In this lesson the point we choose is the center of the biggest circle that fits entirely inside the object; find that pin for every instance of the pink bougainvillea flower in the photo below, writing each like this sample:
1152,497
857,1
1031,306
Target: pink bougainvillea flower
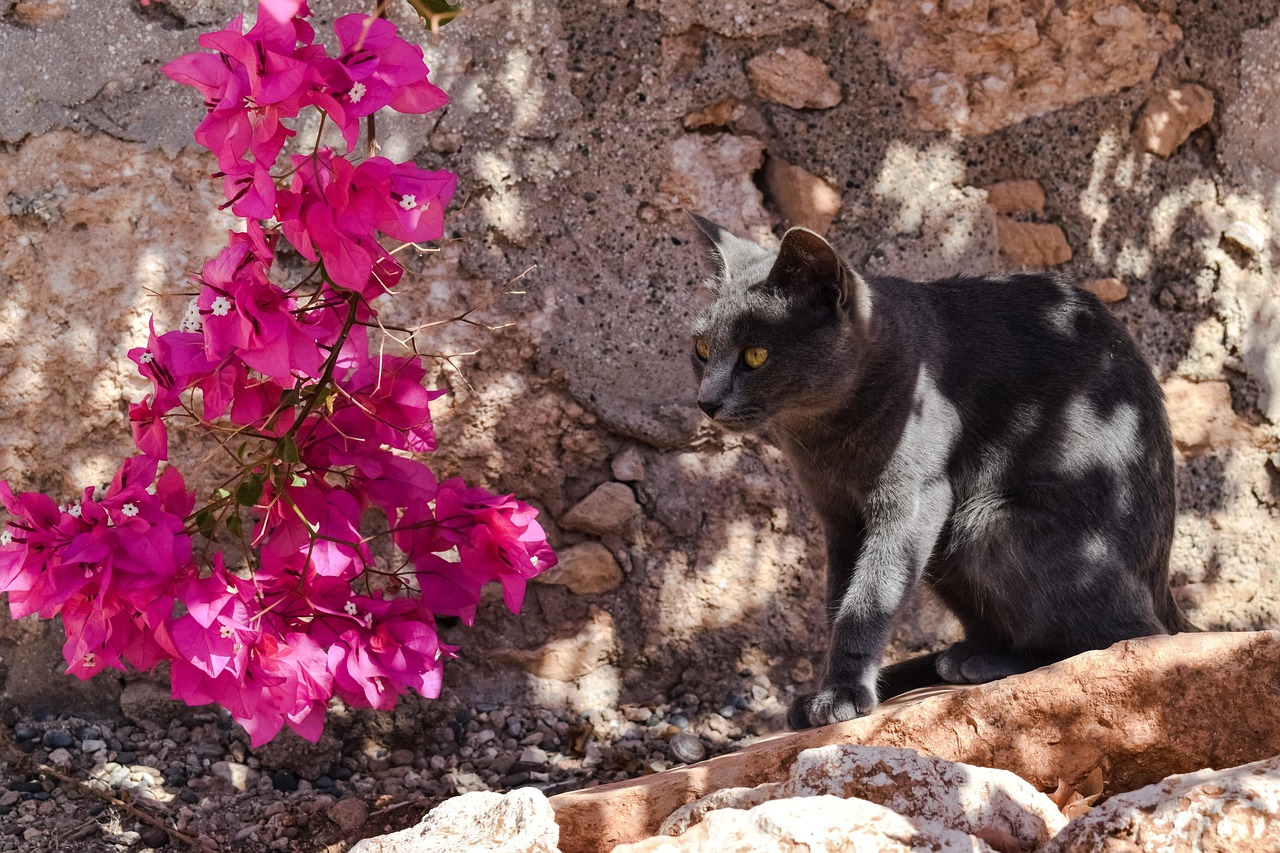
385,401
173,362
150,435
284,10
256,321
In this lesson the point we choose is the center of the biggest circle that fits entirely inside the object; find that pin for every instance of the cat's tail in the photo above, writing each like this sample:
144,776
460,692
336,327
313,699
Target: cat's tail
910,674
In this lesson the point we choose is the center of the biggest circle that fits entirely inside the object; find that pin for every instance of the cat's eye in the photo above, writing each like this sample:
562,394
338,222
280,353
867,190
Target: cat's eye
754,356
702,348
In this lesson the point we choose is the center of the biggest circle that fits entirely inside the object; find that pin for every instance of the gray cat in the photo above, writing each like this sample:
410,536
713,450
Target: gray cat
1000,439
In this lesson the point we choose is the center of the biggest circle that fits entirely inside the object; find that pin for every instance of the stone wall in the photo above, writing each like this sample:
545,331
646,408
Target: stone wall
1141,139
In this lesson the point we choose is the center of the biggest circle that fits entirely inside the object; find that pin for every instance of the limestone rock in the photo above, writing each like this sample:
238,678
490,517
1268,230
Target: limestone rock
588,568
1106,289
1210,811
1135,710
744,18
802,197
793,78
731,113
605,510
823,824
968,799
1017,196
572,655
480,822
713,176
1167,119
1032,244
1201,416
977,67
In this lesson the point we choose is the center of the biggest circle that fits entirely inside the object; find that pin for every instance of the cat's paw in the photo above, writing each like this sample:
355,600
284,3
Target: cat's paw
834,704
965,663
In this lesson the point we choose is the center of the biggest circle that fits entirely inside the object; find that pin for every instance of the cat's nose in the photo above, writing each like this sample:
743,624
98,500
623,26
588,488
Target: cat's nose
710,407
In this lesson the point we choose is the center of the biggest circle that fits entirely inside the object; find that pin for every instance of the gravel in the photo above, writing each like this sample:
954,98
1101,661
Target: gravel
196,774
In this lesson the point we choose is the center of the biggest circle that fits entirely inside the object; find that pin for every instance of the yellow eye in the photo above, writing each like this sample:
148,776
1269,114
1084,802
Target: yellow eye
754,356
704,351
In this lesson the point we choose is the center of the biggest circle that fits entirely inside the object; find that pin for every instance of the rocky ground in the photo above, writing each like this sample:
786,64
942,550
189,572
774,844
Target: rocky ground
75,784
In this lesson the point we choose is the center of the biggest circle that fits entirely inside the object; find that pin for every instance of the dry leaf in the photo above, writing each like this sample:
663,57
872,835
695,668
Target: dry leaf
1073,803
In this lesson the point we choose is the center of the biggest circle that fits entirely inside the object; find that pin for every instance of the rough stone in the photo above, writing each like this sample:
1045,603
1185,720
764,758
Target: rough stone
1106,289
1032,244
628,465
976,68
1201,416
570,656
242,777
587,568
731,113
802,197
1136,710
480,821
349,813
822,824
712,176
1210,811
971,800
793,78
1168,118
1017,196
606,510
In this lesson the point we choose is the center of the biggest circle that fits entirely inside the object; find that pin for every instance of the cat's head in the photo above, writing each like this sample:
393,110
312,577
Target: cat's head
785,334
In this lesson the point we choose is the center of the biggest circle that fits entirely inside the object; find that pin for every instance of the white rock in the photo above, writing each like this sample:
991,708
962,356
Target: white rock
824,824
1247,236
1210,810
479,822
965,798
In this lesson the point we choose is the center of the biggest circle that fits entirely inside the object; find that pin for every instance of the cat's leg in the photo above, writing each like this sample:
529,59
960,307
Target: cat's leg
887,560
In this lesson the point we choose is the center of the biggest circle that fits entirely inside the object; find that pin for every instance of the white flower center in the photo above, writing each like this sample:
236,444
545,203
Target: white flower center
350,607
221,306
5,538
368,620
191,321
227,632
146,358
534,561
88,659
74,510
357,92
130,510
409,202
231,588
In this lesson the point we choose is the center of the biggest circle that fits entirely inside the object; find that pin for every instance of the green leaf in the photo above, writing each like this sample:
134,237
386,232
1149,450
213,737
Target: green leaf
235,524
436,13
206,523
248,492
287,449
223,494
298,482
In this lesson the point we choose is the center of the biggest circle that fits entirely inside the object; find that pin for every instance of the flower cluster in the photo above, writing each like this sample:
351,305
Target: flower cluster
325,429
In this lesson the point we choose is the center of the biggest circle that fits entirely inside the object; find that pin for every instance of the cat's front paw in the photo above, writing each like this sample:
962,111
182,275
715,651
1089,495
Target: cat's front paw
834,704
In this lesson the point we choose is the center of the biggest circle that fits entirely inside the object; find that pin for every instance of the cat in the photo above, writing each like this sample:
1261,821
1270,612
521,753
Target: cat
998,438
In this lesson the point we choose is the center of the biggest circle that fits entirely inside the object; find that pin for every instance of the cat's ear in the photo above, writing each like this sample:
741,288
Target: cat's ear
808,265
730,253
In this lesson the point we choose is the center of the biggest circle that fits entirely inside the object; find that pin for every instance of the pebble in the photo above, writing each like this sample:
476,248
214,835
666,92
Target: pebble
60,758
91,746
688,748
349,813
240,776
25,731
533,755
57,739
283,780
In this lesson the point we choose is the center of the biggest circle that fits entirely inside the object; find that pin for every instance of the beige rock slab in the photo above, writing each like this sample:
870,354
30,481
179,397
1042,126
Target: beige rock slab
1136,710
1211,811
824,824
793,78
588,568
1032,244
1167,119
802,197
